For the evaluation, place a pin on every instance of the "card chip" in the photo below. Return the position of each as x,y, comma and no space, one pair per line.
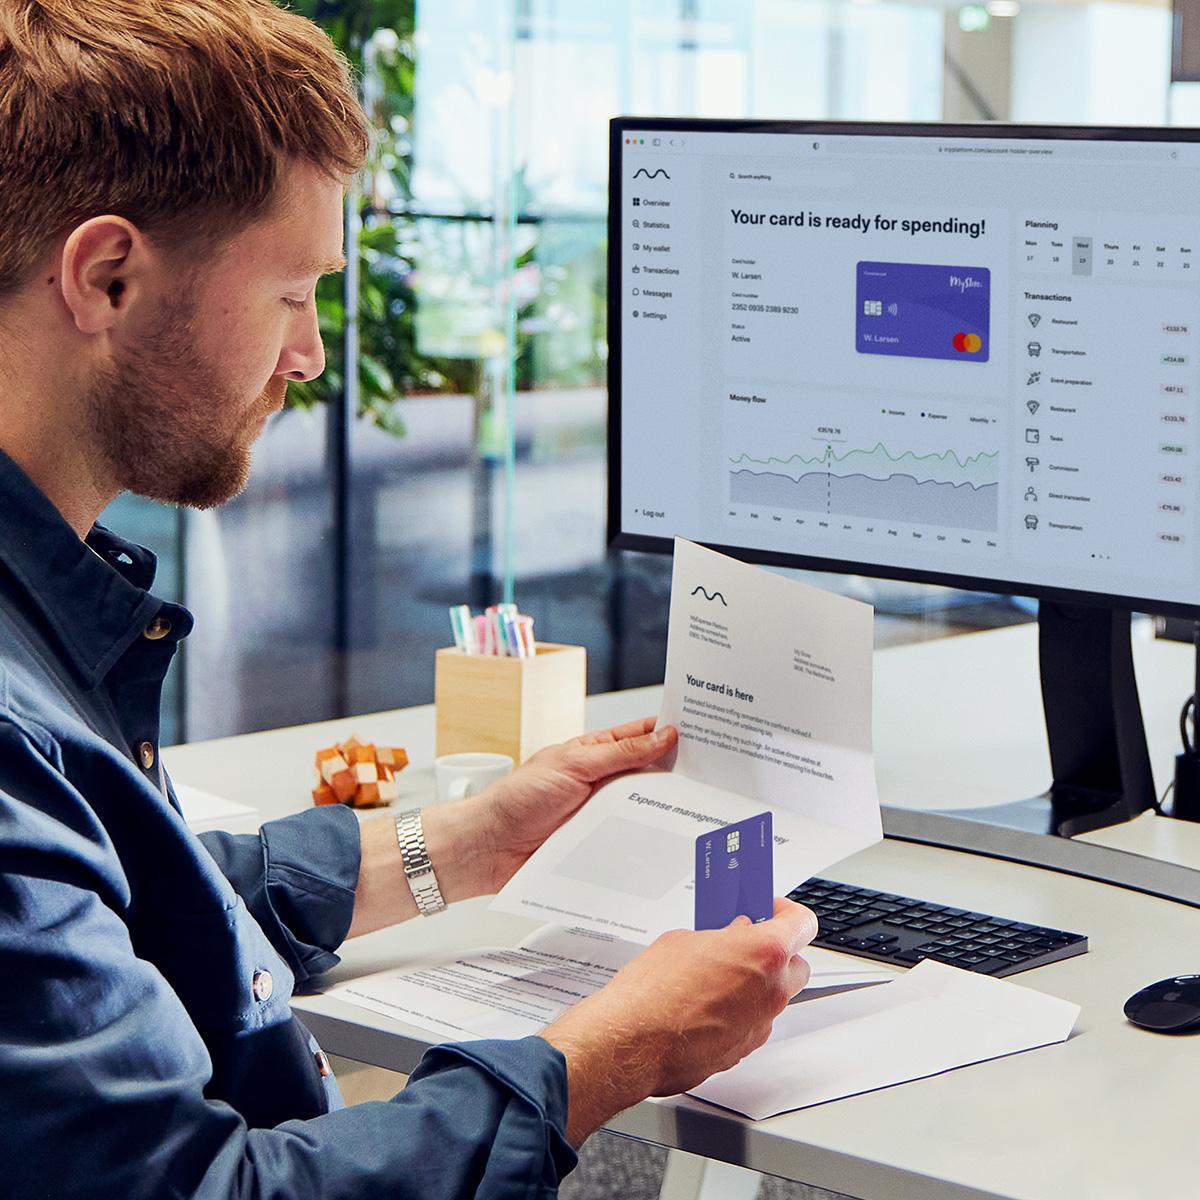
733,841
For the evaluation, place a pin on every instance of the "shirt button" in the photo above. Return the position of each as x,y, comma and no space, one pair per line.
158,628
323,1067
262,985
146,754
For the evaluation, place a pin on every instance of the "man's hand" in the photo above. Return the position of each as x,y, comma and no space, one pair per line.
690,1005
518,813
476,844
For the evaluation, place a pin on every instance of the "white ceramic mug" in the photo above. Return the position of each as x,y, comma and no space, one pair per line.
459,775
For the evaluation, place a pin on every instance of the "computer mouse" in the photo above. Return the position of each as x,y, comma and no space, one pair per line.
1168,1006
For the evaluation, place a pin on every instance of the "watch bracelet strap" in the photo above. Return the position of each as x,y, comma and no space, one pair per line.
418,870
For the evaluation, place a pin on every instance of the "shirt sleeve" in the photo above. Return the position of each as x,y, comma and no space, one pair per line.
102,1071
297,876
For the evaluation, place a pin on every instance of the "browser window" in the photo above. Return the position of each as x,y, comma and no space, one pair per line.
967,356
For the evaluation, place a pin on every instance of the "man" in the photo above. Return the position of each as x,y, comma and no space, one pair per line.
171,183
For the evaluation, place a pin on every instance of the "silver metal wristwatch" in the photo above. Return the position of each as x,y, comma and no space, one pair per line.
417,867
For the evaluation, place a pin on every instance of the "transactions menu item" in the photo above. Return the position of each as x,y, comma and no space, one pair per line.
769,684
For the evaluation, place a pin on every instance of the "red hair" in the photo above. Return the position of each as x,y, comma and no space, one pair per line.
175,114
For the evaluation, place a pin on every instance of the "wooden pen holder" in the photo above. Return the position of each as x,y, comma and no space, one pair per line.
512,706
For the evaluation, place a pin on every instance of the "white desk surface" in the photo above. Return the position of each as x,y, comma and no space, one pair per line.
1105,1116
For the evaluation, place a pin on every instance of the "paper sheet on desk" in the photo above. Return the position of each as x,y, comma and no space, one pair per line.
513,993
203,808
933,1019
769,683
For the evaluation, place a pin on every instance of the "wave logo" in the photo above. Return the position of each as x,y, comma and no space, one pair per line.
709,597
641,171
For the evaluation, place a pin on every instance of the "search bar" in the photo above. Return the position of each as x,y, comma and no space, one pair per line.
774,176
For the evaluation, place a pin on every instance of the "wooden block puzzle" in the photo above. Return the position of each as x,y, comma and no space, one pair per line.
359,774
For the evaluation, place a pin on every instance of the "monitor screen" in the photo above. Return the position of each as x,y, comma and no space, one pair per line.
954,354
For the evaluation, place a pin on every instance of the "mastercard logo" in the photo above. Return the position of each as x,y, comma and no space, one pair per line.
968,343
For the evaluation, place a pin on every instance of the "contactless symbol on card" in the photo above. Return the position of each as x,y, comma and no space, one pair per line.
923,310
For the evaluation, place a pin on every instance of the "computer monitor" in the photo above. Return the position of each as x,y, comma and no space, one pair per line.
964,355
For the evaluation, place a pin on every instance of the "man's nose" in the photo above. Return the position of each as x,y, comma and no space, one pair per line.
303,357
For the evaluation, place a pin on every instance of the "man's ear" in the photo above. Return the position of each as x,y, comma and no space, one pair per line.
104,263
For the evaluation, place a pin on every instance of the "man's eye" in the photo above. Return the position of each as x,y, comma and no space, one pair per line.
296,304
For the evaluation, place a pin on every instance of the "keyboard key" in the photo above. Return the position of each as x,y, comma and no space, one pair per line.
1012,957
989,964
909,956
864,918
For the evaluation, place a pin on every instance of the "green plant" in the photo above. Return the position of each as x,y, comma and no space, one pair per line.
388,362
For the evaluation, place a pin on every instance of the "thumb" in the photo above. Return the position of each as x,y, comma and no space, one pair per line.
599,760
795,924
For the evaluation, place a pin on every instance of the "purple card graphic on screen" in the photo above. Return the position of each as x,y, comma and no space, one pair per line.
922,310
735,873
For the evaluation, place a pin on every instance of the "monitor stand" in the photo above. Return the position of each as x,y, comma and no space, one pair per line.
1098,752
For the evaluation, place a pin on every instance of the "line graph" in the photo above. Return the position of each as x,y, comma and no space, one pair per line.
942,488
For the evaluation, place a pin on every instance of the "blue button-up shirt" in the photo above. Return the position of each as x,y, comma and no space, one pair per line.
147,1044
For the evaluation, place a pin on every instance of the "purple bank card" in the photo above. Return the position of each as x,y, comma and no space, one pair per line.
735,873
920,310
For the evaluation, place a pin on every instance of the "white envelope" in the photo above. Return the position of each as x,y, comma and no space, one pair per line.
933,1019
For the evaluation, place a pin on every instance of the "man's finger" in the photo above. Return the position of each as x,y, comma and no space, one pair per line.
797,973
598,760
796,924
629,729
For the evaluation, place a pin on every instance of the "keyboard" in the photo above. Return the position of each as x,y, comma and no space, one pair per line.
901,930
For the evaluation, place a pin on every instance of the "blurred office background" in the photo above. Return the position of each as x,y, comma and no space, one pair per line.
464,461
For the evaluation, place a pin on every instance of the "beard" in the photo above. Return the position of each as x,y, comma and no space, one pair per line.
161,414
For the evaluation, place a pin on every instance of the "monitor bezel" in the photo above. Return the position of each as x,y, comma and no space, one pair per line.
619,539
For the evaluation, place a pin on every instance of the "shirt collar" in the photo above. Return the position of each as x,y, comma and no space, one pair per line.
91,594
